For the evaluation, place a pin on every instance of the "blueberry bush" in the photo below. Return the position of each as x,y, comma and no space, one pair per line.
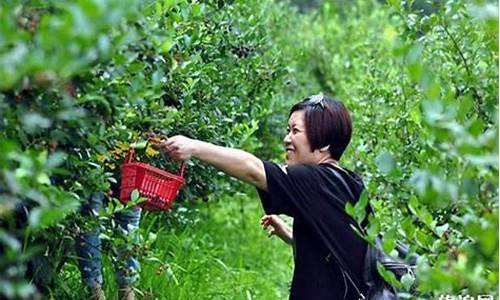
423,89
82,81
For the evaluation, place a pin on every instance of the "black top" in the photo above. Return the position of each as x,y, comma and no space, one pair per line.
315,196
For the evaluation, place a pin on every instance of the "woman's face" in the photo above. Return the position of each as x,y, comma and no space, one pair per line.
298,150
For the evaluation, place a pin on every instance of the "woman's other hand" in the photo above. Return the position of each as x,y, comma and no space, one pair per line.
274,225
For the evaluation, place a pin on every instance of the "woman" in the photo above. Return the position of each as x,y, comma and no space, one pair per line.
312,188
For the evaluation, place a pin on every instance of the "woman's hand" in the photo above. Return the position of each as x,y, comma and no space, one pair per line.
179,147
276,226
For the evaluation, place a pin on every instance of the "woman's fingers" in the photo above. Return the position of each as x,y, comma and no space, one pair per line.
266,222
169,142
271,231
155,139
267,217
269,225
177,147
171,148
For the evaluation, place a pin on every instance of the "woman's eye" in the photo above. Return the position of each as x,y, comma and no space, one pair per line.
293,130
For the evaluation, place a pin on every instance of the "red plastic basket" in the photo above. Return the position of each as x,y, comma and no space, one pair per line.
159,187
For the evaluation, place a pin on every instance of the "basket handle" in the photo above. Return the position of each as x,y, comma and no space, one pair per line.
130,155
182,168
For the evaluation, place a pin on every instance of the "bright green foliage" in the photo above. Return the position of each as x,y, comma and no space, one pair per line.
212,250
423,94
50,41
81,80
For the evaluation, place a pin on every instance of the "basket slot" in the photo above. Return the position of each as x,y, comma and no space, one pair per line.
166,191
152,184
156,186
128,181
144,187
149,184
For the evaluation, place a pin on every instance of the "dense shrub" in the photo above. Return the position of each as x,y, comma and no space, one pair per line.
423,93
82,80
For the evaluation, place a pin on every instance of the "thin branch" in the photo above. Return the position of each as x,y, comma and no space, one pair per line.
457,47
475,93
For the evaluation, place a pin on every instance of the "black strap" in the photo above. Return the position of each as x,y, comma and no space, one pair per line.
343,266
346,271
340,261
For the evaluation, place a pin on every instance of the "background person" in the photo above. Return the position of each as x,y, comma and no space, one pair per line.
88,251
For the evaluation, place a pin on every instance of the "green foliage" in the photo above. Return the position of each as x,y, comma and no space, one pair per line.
423,91
83,80
212,250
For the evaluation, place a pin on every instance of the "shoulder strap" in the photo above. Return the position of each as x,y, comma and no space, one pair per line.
346,271
340,261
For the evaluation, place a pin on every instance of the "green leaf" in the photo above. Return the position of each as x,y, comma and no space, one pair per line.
44,217
385,162
360,207
152,237
440,230
388,244
134,196
43,178
196,9
169,273
55,159
168,3
34,121
415,53
166,45
415,114
407,281
349,208
388,276
413,205
139,145
395,3
10,241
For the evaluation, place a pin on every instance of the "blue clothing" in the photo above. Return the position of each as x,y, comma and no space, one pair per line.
88,246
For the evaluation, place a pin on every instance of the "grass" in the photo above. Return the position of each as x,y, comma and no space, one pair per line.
213,250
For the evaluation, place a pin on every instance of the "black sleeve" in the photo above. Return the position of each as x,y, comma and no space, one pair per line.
289,189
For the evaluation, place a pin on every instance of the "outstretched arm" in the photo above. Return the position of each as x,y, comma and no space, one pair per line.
235,162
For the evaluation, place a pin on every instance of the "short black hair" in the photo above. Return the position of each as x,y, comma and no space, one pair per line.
327,123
